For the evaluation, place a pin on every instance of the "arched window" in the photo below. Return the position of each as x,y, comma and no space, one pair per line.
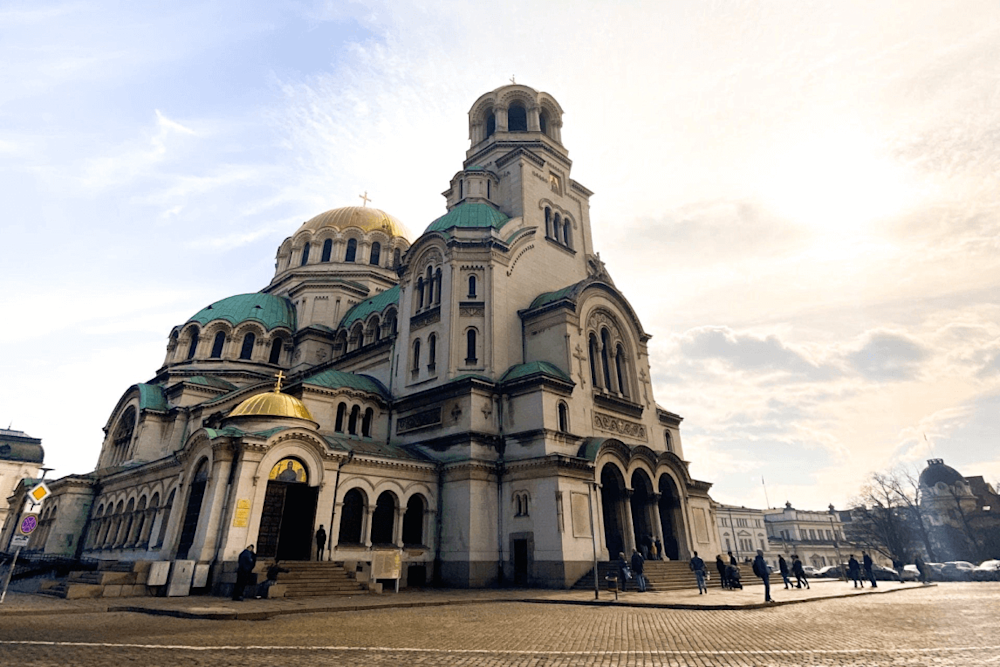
437,286
351,516
472,286
194,344
391,322
376,253
395,258
416,356
470,346
420,292
305,255
430,286
384,519
543,122
548,222
352,421
327,250
366,423
122,437
247,350
275,355
165,519
667,441
621,366
461,188
593,359
352,251
220,340
605,366
567,234
413,521
376,328
491,124
517,118
487,189
431,351
341,411
563,418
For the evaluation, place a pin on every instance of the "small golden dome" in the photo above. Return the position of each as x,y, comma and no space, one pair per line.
272,404
365,218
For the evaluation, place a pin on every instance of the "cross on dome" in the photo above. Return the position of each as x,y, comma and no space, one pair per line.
277,385
365,198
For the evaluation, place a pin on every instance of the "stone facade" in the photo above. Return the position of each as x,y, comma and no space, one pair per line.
21,457
479,399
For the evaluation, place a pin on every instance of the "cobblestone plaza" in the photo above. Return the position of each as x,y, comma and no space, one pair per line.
948,624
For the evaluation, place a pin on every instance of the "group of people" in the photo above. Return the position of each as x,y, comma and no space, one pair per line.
247,561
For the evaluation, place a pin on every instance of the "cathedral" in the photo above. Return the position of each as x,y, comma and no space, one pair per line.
477,400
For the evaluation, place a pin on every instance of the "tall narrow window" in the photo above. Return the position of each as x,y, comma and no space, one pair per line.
366,423
667,441
605,344
352,421
557,228
621,365
470,346
472,286
352,251
275,355
305,255
430,287
341,413
593,359
431,351
548,222
543,122
491,124
487,189
220,340
437,286
567,234
517,118
376,254
563,418
395,258
247,350
194,344
461,188
416,356
420,292
327,250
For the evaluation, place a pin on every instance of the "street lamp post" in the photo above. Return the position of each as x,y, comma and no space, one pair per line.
836,546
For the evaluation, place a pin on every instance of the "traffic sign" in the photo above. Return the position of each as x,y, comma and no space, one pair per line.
18,541
39,493
28,524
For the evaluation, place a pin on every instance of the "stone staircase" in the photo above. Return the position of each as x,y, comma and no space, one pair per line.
117,579
315,578
662,575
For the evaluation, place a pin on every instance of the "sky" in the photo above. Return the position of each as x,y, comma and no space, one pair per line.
801,199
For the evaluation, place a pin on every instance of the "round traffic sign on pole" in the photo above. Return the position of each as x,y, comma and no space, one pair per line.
28,524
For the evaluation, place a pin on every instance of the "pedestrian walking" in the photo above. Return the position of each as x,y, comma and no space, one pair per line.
637,561
720,565
645,544
760,569
659,548
921,568
869,568
244,571
799,572
624,573
697,566
320,542
854,571
783,568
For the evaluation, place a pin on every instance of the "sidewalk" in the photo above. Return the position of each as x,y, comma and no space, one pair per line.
213,608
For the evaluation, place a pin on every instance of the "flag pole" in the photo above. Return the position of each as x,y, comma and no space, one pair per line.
765,492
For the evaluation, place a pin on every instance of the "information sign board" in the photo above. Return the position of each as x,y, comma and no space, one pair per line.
18,541
387,565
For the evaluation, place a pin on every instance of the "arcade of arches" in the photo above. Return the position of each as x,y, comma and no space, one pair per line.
639,510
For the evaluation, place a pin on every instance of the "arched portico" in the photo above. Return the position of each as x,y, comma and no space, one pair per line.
671,518
615,511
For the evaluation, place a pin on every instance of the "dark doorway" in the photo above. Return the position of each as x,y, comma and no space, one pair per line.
641,501
193,511
416,576
286,521
520,562
670,517
384,519
612,495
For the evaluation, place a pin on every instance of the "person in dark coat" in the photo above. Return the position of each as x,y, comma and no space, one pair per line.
854,571
624,573
783,568
921,568
869,568
799,572
697,566
760,569
720,565
732,559
320,542
244,569
637,561
647,541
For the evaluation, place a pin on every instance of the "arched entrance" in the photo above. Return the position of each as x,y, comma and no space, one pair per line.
670,518
286,520
642,501
193,511
613,509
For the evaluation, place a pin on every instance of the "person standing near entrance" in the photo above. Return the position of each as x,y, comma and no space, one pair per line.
869,568
783,568
760,569
320,542
637,561
244,569
720,565
697,566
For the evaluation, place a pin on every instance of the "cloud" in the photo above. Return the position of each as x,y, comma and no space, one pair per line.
748,353
887,356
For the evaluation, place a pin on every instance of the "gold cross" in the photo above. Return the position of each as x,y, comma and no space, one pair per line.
277,385
365,198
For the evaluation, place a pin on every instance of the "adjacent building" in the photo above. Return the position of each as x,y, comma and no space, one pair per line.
816,537
742,531
21,456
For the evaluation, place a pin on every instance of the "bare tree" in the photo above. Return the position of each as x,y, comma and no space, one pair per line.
879,520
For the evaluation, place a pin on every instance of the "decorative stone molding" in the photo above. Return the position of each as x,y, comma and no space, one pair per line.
420,320
610,424
419,420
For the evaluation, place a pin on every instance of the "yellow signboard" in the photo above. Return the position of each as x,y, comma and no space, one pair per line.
241,517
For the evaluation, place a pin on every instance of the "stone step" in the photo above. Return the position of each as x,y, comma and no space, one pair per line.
315,578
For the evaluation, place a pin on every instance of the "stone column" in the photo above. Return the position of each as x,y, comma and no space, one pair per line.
629,537
534,124
397,527
367,528
658,527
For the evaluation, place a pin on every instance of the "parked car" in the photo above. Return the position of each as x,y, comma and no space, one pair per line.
829,572
909,573
988,570
957,570
810,571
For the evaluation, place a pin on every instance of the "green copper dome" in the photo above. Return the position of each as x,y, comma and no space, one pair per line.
470,215
271,311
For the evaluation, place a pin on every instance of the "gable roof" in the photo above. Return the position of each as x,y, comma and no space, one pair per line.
375,304
331,379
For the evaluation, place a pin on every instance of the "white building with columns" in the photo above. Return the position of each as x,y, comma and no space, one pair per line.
479,399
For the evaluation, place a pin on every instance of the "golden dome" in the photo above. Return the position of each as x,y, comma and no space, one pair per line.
272,404
365,218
